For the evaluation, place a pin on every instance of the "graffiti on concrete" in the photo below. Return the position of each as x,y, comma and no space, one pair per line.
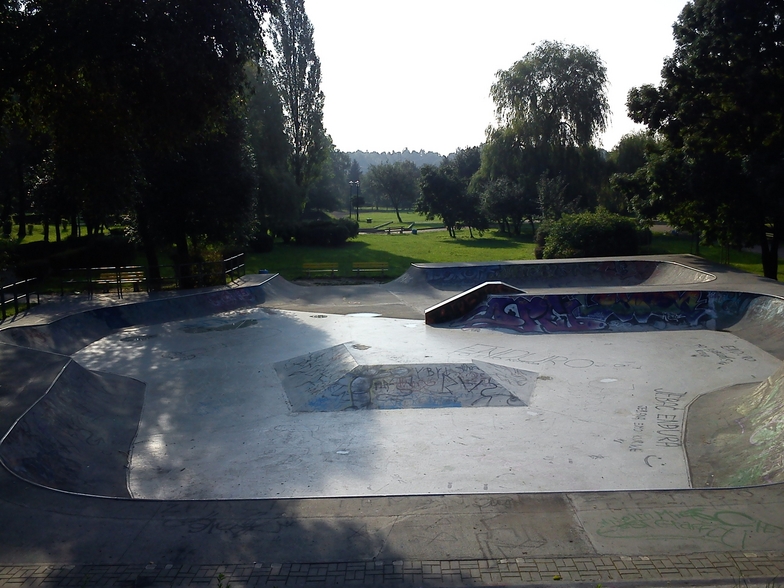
331,380
229,298
728,528
605,312
530,358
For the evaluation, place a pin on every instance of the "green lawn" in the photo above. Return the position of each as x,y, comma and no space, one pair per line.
400,251
387,218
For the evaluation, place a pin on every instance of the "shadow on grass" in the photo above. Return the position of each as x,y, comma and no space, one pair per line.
499,241
287,259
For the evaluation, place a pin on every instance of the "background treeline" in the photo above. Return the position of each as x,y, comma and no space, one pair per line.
191,126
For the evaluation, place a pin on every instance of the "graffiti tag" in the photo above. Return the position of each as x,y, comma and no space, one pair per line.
728,528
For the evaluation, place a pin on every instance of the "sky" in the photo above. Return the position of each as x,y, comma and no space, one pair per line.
416,74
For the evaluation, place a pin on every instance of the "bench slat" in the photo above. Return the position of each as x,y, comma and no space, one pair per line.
370,266
320,268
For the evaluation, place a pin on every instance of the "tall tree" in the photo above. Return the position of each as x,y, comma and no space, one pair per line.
446,193
398,182
280,202
718,108
123,85
555,95
550,108
296,70
326,193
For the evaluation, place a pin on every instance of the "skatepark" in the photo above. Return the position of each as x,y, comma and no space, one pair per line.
465,412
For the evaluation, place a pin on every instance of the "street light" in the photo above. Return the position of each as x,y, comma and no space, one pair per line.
351,186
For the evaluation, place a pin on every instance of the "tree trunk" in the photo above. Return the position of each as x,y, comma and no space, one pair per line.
770,252
184,268
154,280
21,202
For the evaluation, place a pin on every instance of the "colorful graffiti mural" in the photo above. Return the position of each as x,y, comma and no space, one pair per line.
607,312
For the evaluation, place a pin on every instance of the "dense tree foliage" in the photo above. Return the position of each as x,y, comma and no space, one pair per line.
296,72
131,96
326,192
280,201
720,167
397,183
446,192
550,107
555,96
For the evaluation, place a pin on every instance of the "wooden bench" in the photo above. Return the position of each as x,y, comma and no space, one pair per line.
320,268
118,278
370,266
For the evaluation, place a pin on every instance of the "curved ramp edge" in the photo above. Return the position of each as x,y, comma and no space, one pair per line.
735,436
77,438
559,274
763,325
72,333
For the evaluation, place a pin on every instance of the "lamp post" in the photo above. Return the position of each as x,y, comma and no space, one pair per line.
351,186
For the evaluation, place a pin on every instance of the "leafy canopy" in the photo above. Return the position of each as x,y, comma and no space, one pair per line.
556,94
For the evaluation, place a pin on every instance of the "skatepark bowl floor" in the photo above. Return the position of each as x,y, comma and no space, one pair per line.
638,373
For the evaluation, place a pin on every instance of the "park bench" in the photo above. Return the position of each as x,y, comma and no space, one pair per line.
110,278
400,229
370,266
320,268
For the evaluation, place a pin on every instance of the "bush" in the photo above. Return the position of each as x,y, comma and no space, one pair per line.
261,242
326,233
7,253
542,231
590,234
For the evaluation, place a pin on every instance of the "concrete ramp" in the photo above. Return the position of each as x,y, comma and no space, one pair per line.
735,436
457,306
78,436
69,334
763,324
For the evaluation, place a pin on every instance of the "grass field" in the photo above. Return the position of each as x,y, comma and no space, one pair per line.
401,250
386,218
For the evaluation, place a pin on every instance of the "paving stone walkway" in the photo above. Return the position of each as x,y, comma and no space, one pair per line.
711,569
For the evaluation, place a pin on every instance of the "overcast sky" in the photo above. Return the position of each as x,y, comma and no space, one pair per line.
416,74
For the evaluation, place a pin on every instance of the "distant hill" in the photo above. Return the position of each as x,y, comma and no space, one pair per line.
367,158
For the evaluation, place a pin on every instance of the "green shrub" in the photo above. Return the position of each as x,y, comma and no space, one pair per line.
590,234
261,242
542,231
7,253
326,233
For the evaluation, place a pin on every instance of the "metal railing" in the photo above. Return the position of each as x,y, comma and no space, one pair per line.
234,267
117,279
18,291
